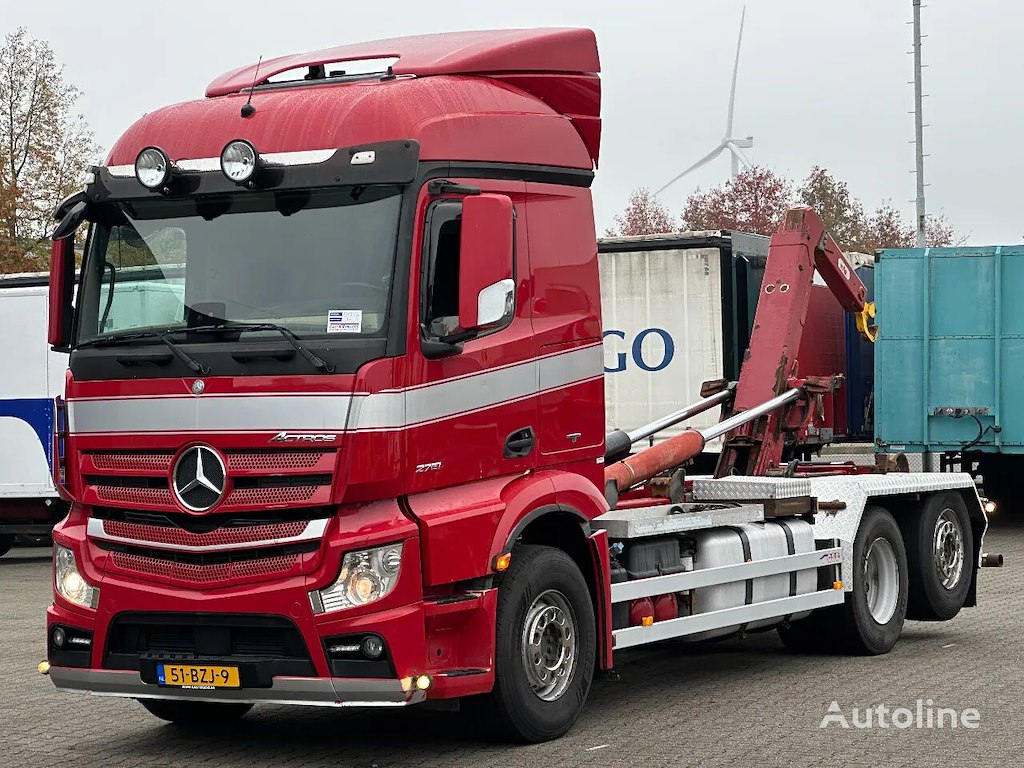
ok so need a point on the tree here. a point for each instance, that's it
(885, 228)
(939, 232)
(644, 215)
(842, 213)
(755, 200)
(44, 145)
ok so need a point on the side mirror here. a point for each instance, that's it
(486, 252)
(62, 280)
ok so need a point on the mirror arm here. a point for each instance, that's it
(435, 349)
(441, 186)
(71, 221)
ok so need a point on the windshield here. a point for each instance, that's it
(315, 262)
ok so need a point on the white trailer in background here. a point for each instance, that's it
(32, 377)
(676, 311)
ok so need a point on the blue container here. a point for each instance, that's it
(949, 361)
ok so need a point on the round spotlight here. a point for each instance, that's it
(153, 168)
(59, 637)
(372, 647)
(239, 161)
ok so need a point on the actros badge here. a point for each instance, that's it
(302, 437)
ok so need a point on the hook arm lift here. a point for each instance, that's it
(770, 398)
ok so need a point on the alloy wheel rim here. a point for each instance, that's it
(549, 645)
(948, 549)
(882, 580)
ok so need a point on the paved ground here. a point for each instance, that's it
(728, 703)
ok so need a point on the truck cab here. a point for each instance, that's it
(337, 345)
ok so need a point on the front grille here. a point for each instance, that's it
(235, 534)
(121, 462)
(241, 460)
(205, 573)
(272, 643)
(212, 521)
(162, 545)
(274, 460)
(119, 494)
(141, 479)
(245, 497)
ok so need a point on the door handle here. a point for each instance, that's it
(519, 443)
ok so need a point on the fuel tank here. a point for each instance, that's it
(751, 541)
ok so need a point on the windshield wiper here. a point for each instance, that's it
(227, 326)
(193, 364)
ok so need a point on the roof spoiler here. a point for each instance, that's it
(558, 66)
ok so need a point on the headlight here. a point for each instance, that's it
(366, 576)
(153, 168)
(69, 582)
(239, 161)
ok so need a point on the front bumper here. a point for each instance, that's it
(320, 692)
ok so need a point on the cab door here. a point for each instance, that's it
(470, 414)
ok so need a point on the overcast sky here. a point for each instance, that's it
(821, 82)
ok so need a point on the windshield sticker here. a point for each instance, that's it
(345, 321)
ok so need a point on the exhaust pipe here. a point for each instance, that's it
(991, 560)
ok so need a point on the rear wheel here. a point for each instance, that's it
(871, 619)
(195, 712)
(940, 557)
(6, 542)
(546, 644)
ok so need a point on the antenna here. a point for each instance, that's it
(248, 110)
(730, 143)
(918, 126)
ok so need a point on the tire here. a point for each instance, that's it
(195, 713)
(871, 619)
(542, 595)
(940, 557)
(6, 542)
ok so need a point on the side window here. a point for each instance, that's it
(439, 300)
(439, 283)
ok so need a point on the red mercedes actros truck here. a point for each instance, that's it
(333, 426)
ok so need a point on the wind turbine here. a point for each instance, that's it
(734, 145)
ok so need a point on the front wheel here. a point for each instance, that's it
(545, 646)
(871, 619)
(195, 712)
(6, 542)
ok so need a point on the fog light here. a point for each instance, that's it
(990, 507)
(343, 648)
(423, 682)
(239, 161)
(153, 168)
(58, 637)
(372, 647)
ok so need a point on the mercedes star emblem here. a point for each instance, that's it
(198, 386)
(199, 478)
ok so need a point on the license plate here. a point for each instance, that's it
(197, 676)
